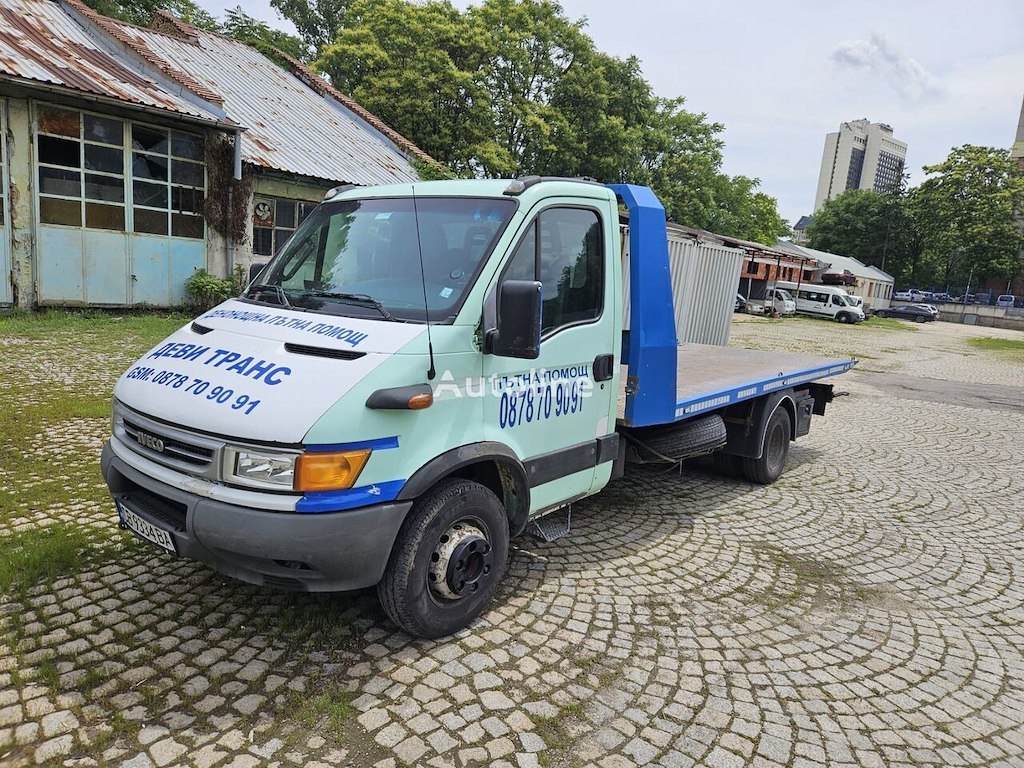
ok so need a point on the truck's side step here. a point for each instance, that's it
(553, 525)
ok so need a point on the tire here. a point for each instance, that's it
(769, 467)
(919, 318)
(409, 592)
(842, 317)
(880, 313)
(679, 441)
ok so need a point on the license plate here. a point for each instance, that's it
(145, 529)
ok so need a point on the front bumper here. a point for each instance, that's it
(322, 552)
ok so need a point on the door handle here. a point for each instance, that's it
(604, 367)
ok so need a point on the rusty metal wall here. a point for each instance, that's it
(704, 280)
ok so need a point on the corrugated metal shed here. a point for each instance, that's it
(41, 43)
(290, 127)
(704, 278)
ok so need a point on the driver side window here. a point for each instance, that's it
(564, 250)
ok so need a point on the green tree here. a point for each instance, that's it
(417, 67)
(969, 209)
(141, 11)
(317, 21)
(766, 224)
(244, 28)
(853, 224)
(511, 87)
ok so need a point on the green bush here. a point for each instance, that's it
(204, 291)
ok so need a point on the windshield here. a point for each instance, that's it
(843, 299)
(362, 257)
(784, 295)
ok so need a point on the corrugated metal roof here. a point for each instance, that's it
(290, 127)
(839, 263)
(40, 42)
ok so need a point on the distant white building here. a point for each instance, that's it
(860, 155)
(872, 284)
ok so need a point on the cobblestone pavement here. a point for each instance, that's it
(866, 610)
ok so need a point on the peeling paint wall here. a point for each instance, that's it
(21, 224)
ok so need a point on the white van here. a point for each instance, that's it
(825, 301)
(782, 300)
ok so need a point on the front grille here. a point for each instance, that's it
(166, 511)
(179, 450)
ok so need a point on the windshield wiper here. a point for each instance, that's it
(277, 290)
(356, 298)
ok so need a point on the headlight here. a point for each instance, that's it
(265, 469)
(313, 471)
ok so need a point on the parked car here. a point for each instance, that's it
(909, 312)
(824, 301)
(929, 307)
(910, 295)
(943, 297)
(1006, 300)
(741, 303)
(783, 302)
(967, 298)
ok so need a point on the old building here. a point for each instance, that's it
(132, 157)
(870, 283)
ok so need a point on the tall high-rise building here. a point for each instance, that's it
(860, 155)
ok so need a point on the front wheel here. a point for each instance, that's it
(769, 467)
(919, 318)
(447, 561)
(842, 317)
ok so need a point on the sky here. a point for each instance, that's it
(782, 74)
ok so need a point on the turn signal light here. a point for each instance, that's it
(419, 402)
(329, 471)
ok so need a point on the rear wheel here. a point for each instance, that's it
(447, 561)
(769, 467)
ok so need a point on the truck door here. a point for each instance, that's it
(552, 411)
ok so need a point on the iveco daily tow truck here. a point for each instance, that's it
(419, 373)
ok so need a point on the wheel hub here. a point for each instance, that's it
(461, 562)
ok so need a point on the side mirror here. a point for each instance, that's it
(254, 271)
(518, 331)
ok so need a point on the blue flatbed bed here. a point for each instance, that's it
(709, 377)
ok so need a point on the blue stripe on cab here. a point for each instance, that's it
(379, 444)
(336, 501)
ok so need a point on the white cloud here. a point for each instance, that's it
(877, 55)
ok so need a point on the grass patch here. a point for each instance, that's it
(888, 324)
(554, 732)
(43, 554)
(47, 673)
(333, 705)
(93, 327)
(1012, 348)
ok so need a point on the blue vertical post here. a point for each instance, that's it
(650, 349)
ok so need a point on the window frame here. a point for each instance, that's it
(298, 205)
(127, 175)
(529, 224)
